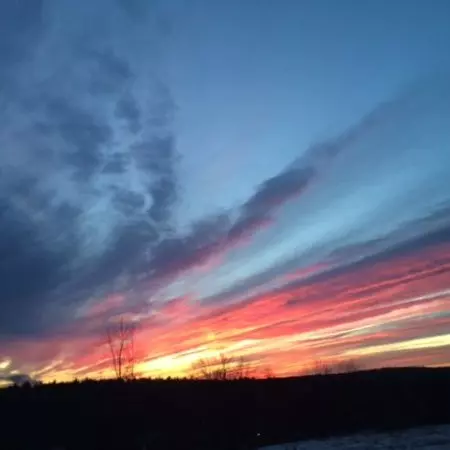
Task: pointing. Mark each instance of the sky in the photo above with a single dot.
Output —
(262, 179)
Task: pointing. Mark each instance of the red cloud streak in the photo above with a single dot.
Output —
(391, 313)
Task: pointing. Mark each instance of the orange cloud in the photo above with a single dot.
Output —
(389, 313)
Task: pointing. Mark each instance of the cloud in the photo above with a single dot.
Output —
(260, 209)
(401, 243)
(10, 376)
(82, 200)
(128, 110)
(372, 305)
(393, 300)
(218, 234)
(19, 379)
(83, 134)
(158, 155)
(277, 190)
(89, 187)
(21, 28)
(96, 216)
(110, 73)
(417, 262)
(134, 8)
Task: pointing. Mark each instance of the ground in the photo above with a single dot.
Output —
(428, 438)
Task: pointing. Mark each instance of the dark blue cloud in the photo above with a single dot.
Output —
(411, 247)
(109, 73)
(89, 174)
(82, 133)
(19, 379)
(29, 270)
(331, 282)
(128, 110)
(22, 26)
(81, 201)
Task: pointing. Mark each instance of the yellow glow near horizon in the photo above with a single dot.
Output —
(412, 344)
(5, 364)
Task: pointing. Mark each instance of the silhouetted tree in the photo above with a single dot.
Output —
(268, 373)
(221, 368)
(120, 338)
(320, 367)
(348, 366)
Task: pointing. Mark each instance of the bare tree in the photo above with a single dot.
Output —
(348, 366)
(241, 369)
(221, 368)
(120, 338)
(268, 372)
(320, 367)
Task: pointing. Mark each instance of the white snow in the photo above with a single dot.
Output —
(428, 438)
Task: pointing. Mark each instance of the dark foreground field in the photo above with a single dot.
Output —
(245, 414)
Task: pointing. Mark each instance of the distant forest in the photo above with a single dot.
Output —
(219, 414)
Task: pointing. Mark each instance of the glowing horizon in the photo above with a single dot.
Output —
(231, 176)
(400, 324)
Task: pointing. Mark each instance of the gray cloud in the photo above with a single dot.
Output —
(22, 26)
(158, 155)
(128, 110)
(110, 72)
(277, 189)
(271, 195)
(83, 134)
(82, 200)
(259, 209)
(410, 239)
(116, 163)
(412, 246)
(219, 233)
(19, 379)
(28, 270)
(86, 204)
(134, 8)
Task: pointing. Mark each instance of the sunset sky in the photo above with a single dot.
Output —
(267, 179)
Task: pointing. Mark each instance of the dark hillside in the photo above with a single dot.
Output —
(217, 415)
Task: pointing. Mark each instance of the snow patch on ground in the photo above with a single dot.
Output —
(428, 438)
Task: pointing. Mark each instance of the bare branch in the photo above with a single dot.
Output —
(120, 339)
(320, 367)
(221, 368)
